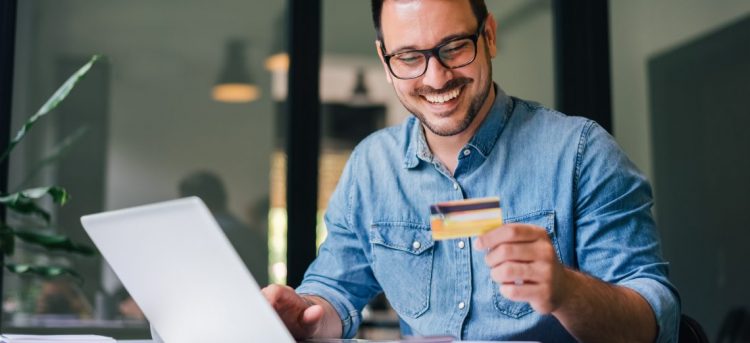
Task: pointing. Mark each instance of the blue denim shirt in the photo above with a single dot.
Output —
(565, 174)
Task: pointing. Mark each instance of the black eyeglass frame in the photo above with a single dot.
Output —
(433, 52)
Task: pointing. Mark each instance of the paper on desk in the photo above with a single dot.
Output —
(55, 338)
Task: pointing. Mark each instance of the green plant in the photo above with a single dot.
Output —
(26, 202)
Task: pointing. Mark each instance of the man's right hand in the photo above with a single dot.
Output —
(304, 317)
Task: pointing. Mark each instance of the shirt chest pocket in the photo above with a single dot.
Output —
(402, 256)
(546, 220)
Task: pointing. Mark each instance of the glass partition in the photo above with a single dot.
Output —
(181, 104)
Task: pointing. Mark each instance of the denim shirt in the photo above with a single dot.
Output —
(564, 174)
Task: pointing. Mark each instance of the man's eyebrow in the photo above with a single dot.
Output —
(442, 41)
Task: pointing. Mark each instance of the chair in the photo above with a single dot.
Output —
(735, 328)
(691, 331)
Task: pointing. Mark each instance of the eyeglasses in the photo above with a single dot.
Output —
(455, 53)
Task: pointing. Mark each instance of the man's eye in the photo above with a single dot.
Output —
(454, 48)
(409, 58)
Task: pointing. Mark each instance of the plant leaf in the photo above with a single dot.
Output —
(58, 152)
(58, 194)
(44, 271)
(23, 201)
(51, 103)
(54, 242)
(30, 208)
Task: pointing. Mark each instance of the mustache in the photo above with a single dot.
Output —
(449, 86)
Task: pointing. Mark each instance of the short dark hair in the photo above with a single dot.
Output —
(477, 6)
(207, 186)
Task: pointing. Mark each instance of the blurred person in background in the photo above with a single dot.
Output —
(250, 243)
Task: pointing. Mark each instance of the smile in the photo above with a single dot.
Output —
(443, 97)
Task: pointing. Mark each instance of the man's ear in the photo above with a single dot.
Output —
(378, 45)
(490, 31)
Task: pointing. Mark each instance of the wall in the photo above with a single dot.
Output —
(639, 30)
(524, 66)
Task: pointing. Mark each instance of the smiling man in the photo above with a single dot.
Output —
(578, 258)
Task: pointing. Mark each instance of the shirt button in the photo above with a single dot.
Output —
(467, 152)
(461, 305)
(455, 185)
(461, 244)
(416, 245)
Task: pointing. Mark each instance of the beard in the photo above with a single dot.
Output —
(471, 113)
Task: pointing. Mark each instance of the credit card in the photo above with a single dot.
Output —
(464, 218)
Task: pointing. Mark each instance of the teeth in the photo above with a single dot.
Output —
(441, 98)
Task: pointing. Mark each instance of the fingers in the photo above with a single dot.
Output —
(280, 296)
(523, 261)
(272, 294)
(519, 252)
(300, 317)
(515, 273)
(312, 315)
(510, 233)
(537, 295)
(523, 292)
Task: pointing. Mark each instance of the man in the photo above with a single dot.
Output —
(578, 257)
(247, 241)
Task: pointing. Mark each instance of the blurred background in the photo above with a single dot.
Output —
(192, 98)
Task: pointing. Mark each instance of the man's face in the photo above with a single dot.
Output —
(445, 100)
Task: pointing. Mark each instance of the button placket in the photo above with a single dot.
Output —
(463, 273)
(465, 294)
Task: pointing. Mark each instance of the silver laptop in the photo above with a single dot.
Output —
(180, 268)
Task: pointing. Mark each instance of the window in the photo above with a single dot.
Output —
(150, 126)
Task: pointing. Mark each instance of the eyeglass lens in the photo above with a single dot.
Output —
(411, 64)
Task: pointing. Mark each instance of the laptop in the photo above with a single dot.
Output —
(179, 267)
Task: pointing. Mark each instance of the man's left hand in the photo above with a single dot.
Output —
(523, 262)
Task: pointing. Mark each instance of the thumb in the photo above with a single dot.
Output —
(312, 315)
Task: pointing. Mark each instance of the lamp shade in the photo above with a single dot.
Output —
(235, 83)
(278, 62)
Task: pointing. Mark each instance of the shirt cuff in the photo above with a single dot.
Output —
(665, 304)
(350, 318)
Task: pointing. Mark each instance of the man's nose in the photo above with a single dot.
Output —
(436, 74)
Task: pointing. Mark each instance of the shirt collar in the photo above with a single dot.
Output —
(416, 148)
(483, 141)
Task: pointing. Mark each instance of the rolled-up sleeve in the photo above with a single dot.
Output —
(617, 239)
(350, 318)
(341, 273)
(663, 302)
